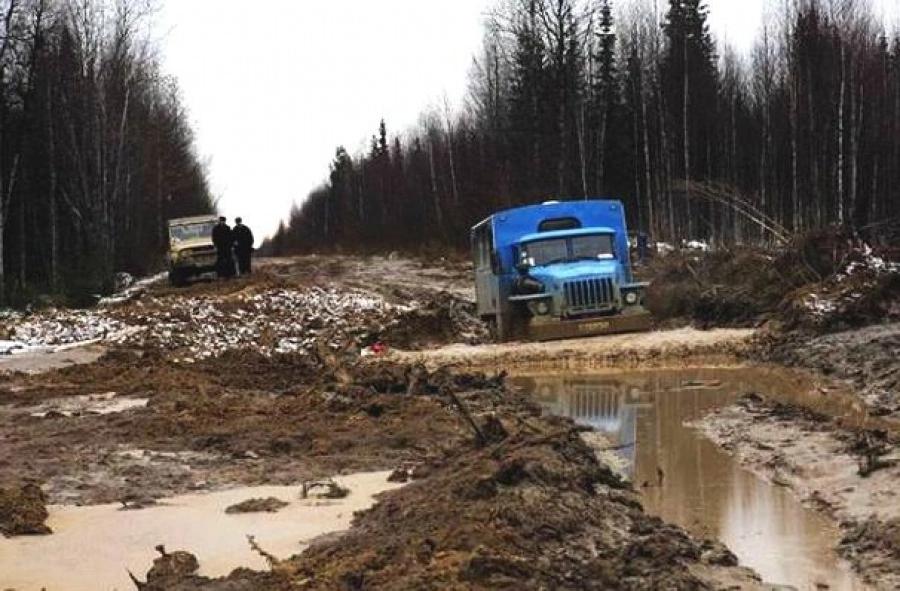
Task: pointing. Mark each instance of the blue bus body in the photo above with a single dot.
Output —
(556, 270)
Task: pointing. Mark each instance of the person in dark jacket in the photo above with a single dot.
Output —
(223, 240)
(243, 246)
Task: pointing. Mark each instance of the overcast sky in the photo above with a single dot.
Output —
(274, 86)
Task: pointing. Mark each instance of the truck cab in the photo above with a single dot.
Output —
(557, 270)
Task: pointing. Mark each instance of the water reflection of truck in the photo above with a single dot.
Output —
(191, 249)
(557, 270)
(609, 405)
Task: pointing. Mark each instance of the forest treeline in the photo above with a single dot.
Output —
(96, 151)
(574, 98)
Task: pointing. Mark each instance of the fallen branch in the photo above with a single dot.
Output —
(479, 434)
(271, 559)
(731, 198)
(871, 464)
(335, 490)
(137, 582)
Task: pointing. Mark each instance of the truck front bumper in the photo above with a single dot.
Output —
(633, 321)
(195, 265)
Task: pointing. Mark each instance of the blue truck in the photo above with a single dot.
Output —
(557, 270)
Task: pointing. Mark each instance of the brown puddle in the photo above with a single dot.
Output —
(92, 547)
(702, 488)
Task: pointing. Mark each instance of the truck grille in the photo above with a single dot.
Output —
(589, 295)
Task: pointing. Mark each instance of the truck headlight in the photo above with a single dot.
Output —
(539, 307)
(631, 298)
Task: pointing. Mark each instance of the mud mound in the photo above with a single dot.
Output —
(256, 314)
(269, 505)
(22, 511)
(146, 373)
(241, 579)
(250, 369)
(293, 307)
(873, 547)
(172, 565)
(534, 511)
(176, 570)
(442, 320)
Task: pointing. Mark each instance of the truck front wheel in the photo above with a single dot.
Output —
(177, 277)
(500, 328)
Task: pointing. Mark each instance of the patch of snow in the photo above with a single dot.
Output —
(99, 404)
(869, 263)
(700, 245)
(66, 327)
(13, 348)
(131, 288)
(819, 306)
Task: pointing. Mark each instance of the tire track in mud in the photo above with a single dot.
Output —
(685, 346)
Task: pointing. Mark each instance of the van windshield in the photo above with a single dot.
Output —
(186, 232)
(565, 250)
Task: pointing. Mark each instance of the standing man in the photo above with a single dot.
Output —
(223, 240)
(243, 246)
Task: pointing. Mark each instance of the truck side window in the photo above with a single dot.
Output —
(482, 243)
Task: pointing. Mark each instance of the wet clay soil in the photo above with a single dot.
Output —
(686, 479)
(500, 497)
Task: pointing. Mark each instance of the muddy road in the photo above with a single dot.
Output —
(325, 367)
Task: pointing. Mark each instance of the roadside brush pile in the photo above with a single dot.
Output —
(820, 282)
(863, 288)
(733, 288)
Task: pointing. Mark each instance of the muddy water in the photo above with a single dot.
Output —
(36, 362)
(92, 547)
(686, 479)
(100, 404)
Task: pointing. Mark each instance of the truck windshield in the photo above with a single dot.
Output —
(191, 231)
(563, 250)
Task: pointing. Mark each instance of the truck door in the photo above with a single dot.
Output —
(485, 280)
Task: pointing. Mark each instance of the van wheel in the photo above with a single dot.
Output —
(177, 278)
